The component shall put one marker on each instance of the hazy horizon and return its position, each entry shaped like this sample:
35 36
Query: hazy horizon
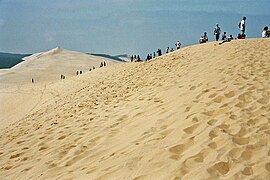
121 26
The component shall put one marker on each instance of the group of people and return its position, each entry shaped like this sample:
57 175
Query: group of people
159 52
62 76
135 58
217 33
204 39
102 64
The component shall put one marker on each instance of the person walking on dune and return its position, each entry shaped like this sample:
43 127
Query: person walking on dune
178 45
217 31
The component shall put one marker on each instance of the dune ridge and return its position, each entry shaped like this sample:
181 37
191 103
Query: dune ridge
201 112
46 67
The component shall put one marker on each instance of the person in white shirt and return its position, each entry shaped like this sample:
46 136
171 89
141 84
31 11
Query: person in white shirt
242 26
265 32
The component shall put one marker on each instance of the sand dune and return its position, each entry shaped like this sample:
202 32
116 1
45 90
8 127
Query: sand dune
16 89
48 67
201 112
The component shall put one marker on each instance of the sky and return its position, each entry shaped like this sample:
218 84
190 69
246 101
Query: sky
122 26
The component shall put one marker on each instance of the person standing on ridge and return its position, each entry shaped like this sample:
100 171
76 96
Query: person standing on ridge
159 53
177 44
242 26
167 50
205 37
217 31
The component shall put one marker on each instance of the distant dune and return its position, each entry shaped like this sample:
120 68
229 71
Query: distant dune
201 112
48 66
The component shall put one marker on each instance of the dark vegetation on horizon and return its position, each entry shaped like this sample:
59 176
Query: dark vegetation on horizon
117 58
8 60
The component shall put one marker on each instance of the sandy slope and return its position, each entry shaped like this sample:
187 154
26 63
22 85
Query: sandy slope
16 89
48 67
201 112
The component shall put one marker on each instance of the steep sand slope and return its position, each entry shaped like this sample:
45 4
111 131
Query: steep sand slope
48 67
16 89
201 112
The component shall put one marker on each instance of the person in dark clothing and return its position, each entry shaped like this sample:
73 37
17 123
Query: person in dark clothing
104 63
159 53
167 50
138 58
217 31
224 37
101 64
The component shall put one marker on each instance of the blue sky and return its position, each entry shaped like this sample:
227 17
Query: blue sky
121 26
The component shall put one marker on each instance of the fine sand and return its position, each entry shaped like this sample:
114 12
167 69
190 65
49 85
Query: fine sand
201 112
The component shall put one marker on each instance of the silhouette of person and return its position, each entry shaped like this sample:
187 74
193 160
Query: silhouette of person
217 31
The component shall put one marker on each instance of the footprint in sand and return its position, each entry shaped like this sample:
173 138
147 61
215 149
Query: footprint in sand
212 95
27 169
240 140
247 171
230 94
235 153
178 149
209 113
198 158
218 99
191 129
187 109
7 167
62 137
246 155
212 145
212 122
213 133
193 88
16 155
267 166
42 148
222 167
263 100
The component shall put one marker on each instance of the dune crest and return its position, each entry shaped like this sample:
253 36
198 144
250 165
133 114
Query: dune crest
44 54
201 112
47 67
